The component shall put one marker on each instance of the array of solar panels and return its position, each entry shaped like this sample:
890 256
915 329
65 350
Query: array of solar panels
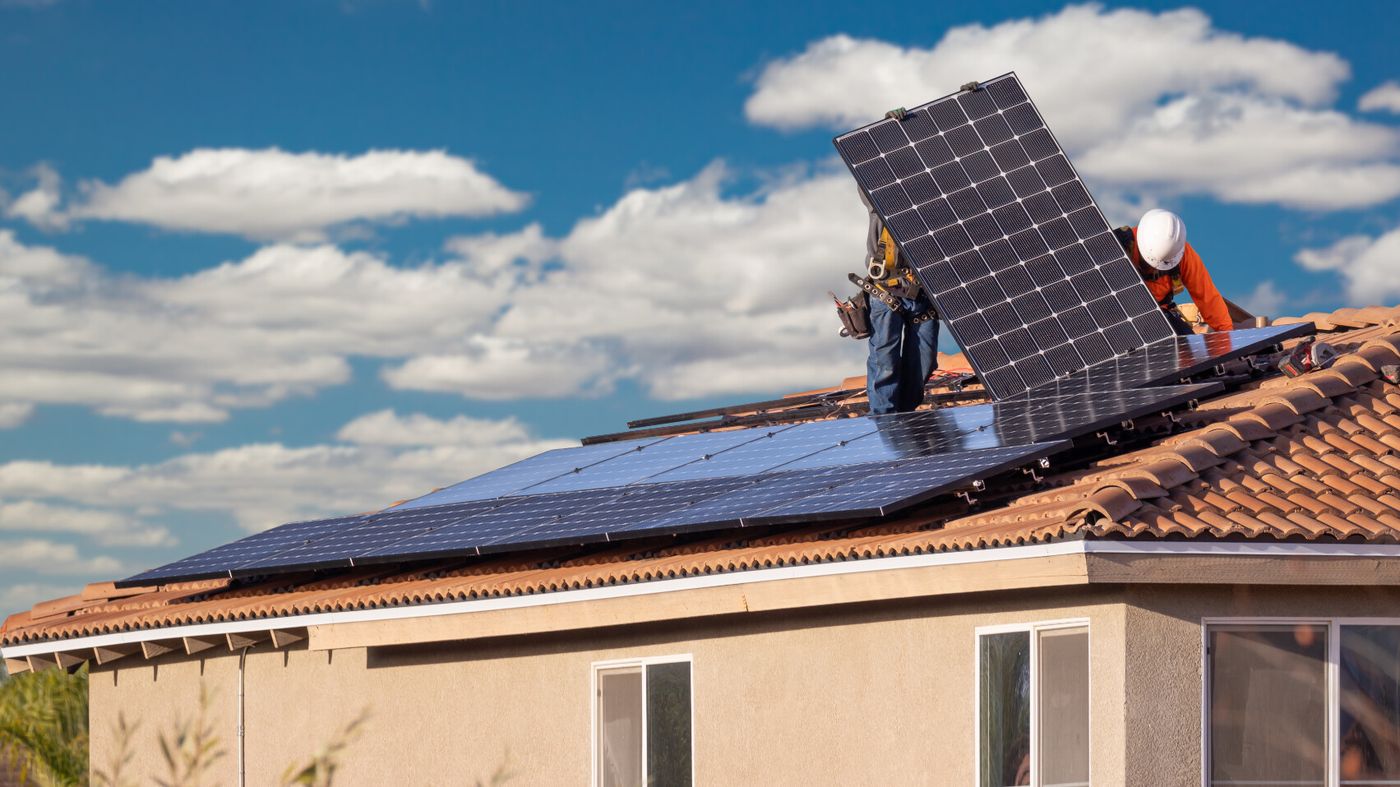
847 468
1005 238
1017 258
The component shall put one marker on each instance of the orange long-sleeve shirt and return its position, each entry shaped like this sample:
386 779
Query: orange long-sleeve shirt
1192 275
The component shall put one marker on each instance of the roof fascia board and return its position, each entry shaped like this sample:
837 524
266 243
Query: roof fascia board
659 587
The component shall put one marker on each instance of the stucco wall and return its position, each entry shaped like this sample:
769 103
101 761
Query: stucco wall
1165 670
871 694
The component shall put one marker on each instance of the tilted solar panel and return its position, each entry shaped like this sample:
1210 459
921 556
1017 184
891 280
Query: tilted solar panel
1009 244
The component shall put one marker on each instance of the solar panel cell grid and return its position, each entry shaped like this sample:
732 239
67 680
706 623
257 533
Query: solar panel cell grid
1001 214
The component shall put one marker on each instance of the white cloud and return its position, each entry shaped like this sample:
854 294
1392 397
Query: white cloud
280 323
272 194
1381 98
1265 300
387 427
490 254
1369 266
685 288
1185 108
502 369
688 290
13 414
50 557
40 205
109 528
386 457
24 596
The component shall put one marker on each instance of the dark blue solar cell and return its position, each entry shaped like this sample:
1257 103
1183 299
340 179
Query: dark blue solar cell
908 224
221 560
858 148
993 129
977 103
771 452
905 163
921 188
918 126
1007 91
755 496
651 461
888 136
629 512
874 174
902 484
338 548
466 535
937 214
1010 155
935 152
973 329
891 199
513 478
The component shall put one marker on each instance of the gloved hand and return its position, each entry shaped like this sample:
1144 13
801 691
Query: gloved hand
897 113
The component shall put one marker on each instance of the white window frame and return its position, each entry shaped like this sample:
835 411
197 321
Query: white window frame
642 663
1032 629
1333 776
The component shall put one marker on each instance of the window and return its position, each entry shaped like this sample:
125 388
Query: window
1033 705
642 726
1303 703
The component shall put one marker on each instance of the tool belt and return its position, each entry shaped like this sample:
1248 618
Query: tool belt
888 280
854 312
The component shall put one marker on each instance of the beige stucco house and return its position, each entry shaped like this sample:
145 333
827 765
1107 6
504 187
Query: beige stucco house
1212 599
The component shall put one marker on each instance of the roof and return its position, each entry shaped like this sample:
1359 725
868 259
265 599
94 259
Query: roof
1313 458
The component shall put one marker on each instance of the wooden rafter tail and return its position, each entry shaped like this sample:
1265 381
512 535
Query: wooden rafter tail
282 638
151 649
110 653
246 639
194 645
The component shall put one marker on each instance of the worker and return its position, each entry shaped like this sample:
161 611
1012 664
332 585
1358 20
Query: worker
1168 265
903 341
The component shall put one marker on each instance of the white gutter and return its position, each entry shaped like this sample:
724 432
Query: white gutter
656 587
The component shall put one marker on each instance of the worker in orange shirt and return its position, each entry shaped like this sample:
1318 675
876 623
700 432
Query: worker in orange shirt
1168 264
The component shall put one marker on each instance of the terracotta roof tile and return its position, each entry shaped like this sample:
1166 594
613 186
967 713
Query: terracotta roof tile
1307 458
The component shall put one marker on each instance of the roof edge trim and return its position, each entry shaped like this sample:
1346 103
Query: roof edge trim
656 587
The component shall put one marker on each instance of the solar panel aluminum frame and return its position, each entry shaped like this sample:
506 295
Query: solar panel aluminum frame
1031 294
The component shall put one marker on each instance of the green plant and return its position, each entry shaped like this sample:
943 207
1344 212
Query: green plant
44 725
121 757
320 771
191 749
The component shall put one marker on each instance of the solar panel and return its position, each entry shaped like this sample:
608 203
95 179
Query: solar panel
898 485
338 547
590 516
775 448
1004 236
527 472
652 460
1176 358
221 560
873 463
754 496
954 431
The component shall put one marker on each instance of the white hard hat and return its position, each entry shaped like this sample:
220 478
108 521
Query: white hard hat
1161 239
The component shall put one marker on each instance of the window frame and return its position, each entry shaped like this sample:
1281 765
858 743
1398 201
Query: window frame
1031 628
641 662
1332 672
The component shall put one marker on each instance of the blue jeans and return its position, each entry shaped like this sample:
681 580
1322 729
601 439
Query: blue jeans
902 356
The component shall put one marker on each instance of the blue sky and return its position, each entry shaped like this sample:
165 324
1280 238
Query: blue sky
265 261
